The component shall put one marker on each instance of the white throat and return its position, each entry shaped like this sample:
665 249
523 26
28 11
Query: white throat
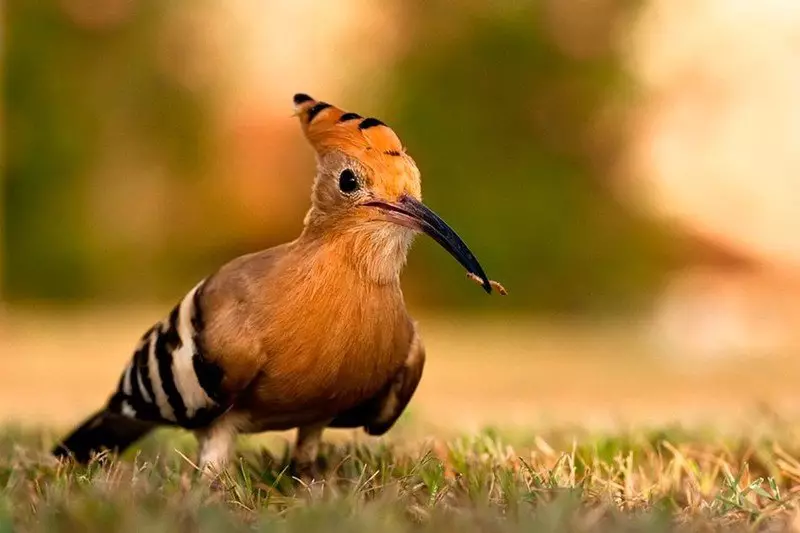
379 251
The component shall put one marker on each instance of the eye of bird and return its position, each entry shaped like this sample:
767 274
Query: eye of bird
348 181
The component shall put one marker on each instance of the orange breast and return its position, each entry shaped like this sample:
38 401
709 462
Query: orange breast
332 358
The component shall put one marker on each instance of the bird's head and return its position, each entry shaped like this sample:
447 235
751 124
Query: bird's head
367 185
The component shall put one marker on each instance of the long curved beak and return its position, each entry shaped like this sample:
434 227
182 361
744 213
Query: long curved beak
412 213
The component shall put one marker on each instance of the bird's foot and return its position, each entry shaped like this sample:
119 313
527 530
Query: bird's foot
308 472
216 477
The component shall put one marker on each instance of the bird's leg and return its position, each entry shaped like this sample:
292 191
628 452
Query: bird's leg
216 446
306 450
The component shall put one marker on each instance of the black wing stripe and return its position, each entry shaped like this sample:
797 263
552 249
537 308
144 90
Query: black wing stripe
140 361
140 380
136 400
209 374
150 389
167 341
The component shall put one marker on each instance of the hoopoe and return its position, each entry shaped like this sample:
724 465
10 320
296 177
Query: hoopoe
309 334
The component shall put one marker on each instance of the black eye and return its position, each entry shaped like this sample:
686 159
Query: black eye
348 181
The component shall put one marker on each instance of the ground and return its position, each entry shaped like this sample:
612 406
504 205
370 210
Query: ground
557 482
57 366
516 427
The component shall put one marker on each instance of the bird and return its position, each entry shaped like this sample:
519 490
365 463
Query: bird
309 334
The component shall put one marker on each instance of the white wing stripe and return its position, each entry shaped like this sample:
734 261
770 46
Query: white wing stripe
194 397
155 379
126 380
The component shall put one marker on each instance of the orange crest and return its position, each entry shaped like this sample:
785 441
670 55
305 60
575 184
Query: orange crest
329 128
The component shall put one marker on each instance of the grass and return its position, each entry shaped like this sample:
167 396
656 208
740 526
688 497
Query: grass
560 481
605 472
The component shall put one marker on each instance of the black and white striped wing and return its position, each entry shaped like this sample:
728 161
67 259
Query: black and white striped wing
169 380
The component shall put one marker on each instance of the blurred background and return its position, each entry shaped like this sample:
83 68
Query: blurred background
628 169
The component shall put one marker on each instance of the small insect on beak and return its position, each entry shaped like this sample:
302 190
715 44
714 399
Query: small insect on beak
412 213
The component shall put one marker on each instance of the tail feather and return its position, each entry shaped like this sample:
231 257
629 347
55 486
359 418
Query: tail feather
102 431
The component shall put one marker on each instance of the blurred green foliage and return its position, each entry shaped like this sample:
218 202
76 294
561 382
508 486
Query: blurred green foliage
71 90
502 123
507 127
